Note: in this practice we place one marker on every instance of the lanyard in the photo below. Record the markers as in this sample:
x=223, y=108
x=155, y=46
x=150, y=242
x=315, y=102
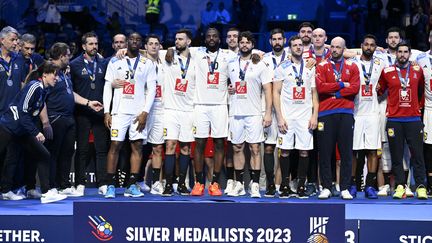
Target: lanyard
x=298, y=76
x=183, y=68
x=320, y=56
x=405, y=80
x=368, y=75
x=275, y=64
x=242, y=73
x=65, y=79
x=133, y=70
x=338, y=73
x=212, y=64
x=92, y=74
x=8, y=68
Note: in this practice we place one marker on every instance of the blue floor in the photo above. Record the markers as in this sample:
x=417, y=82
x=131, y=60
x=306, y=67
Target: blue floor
x=384, y=208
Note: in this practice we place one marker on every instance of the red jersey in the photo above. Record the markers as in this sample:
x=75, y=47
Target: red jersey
x=402, y=103
x=319, y=58
x=334, y=97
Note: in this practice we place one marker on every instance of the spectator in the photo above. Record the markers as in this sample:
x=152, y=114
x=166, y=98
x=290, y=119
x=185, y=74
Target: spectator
x=114, y=25
x=50, y=16
x=373, y=16
x=152, y=12
x=222, y=15
x=208, y=17
x=395, y=10
x=419, y=23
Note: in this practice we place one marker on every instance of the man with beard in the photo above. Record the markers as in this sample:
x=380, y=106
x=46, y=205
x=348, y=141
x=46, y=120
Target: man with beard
x=305, y=33
x=118, y=42
x=405, y=84
x=278, y=55
x=130, y=108
x=424, y=60
x=87, y=74
x=296, y=103
x=246, y=120
x=210, y=111
x=367, y=138
x=337, y=82
x=178, y=92
x=319, y=51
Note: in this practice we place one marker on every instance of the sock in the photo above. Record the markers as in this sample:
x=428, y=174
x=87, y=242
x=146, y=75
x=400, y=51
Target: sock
x=229, y=173
x=239, y=175
x=156, y=174
x=133, y=178
x=169, y=167
x=302, y=170
x=285, y=167
x=386, y=178
x=216, y=176
x=371, y=179
x=256, y=175
x=110, y=178
x=406, y=176
x=199, y=177
x=294, y=164
x=184, y=163
x=269, y=168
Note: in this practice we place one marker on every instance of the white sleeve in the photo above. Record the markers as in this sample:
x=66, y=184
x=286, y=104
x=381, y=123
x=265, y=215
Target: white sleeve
x=151, y=88
x=107, y=93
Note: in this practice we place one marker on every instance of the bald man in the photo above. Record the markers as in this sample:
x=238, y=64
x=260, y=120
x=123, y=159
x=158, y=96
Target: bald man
x=337, y=82
x=319, y=51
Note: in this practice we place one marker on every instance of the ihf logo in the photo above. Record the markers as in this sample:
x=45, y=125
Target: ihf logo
x=317, y=229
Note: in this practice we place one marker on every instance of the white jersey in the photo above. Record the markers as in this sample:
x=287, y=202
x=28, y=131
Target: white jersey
x=366, y=102
x=273, y=60
x=178, y=91
x=138, y=93
x=247, y=98
x=296, y=98
x=211, y=76
x=159, y=99
x=390, y=59
x=424, y=60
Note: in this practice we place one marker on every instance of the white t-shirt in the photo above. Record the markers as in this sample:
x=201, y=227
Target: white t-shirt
x=211, y=87
x=366, y=102
x=138, y=93
x=296, y=99
x=178, y=92
x=425, y=62
x=274, y=60
x=247, y=98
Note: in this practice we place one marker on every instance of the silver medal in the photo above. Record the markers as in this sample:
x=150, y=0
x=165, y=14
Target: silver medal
x=404, y=93
x=132, y=81
x=298, y=89
x=92, y=85
x=9, y=82
x=183, y=81
x=243, y=83
x=211, y=77
x=69, y=91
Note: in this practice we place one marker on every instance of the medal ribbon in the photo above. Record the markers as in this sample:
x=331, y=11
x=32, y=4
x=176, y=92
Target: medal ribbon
x=212, y=64
x=404, y=80
x=133, y=70
x=275, y=64
x=338, y=73
x=242, y=73
x=92, y=74
x=183, y=68
x=298, y=76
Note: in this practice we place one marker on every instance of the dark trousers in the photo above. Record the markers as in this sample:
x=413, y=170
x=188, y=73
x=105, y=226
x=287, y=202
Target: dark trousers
x=13, y=171
x=412, y=133
x=332, y=129
x=312, y=175
x=38, y=153
x=61, y=149
x=101, y=141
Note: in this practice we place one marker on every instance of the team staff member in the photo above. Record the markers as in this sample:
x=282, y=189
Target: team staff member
x=58, y=116
x=32, y=60
x=18, y=123
x=246, y=120
x=425, y=62
x=296, y=103
x=211, y=112
x=367, y=136
x=87, y=74
x=11, y=77
x=178, y=92
x=405, y=84
x=130, y=108
x=337, y=82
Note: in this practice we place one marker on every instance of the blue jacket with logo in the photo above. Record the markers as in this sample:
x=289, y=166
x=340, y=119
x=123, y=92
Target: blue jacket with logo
x=11, y=77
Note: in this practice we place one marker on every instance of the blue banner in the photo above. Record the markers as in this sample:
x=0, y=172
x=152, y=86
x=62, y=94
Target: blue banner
x=26, y=228
x=208, y=222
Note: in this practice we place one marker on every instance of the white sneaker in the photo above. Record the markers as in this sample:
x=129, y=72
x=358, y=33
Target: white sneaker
x=70, y=192
x=52, y=196
x=324, y=194
x=175, y=186
x=143, y=186
x=408, y=191
x=238, y=190
x=293, y=185
x=80, y=190
x=22, y=192
x=12, y=196
x=229, y=186
x=102, y=190
x=33, y=193
x=157, y=188
x=278, y=188
x=383, y=191
x=254, y=192
x=346, y=195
